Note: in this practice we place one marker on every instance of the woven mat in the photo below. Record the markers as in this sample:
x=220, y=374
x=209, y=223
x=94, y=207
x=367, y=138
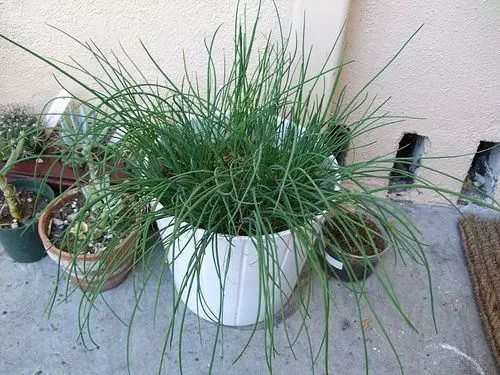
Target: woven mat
x=481, y=242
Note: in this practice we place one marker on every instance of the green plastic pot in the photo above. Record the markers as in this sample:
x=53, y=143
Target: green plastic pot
x=23, y=244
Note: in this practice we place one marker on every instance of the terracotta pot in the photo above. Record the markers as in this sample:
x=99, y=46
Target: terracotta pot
x=53, y=172
x=48, y=170
x=91, y=272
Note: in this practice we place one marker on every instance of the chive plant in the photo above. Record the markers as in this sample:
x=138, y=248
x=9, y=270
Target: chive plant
x=244, y=152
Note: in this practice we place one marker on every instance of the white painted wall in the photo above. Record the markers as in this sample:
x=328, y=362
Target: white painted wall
x=449, y=74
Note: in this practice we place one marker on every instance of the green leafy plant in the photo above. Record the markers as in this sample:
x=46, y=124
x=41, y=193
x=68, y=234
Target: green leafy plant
x=247, y=152
x=20, y=133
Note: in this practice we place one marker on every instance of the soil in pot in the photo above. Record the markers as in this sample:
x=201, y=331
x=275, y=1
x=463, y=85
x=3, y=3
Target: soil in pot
x=20, y=239
x=356, y=246
x=61, y=218
x=28, y=204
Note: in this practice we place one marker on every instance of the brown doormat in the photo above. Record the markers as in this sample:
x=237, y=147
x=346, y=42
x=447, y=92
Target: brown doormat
x=481, y=242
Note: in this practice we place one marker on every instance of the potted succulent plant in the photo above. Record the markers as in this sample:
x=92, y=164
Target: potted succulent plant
x=77, y=228
x=78, y=233
x=239, y=174
x=44, y=165
x=21, y=200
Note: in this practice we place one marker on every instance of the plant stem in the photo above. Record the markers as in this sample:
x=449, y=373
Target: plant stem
x=14, y=155
x=9, y=193
x=8, y=190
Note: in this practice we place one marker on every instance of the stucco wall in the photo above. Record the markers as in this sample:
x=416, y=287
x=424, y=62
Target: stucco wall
x=449, y=74
x=166, y=27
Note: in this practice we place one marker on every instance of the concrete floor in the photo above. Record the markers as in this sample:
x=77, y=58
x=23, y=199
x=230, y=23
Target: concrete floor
x=32, y=344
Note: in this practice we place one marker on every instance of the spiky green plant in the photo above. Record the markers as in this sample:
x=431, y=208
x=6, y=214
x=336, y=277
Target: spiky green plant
x=20, y=133
x=242, y=152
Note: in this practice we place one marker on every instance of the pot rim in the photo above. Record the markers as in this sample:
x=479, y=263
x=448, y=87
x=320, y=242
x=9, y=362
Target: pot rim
x=375, y=256
x=157, y=205
x=360, y=257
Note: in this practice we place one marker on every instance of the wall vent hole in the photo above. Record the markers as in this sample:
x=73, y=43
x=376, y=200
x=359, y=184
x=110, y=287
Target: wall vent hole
x=481, y=180
x=411, y=149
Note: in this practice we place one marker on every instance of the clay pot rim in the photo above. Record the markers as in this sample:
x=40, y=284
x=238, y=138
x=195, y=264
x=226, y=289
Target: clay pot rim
x=45, y=217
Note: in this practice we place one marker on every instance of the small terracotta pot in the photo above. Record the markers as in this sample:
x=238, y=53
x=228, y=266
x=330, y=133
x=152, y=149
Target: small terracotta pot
x=91, y=272
x=46, y=169
x=55, y=173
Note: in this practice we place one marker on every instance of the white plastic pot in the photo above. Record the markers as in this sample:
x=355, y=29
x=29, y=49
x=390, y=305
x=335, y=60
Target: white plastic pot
x=239, y=297
x=234, y=300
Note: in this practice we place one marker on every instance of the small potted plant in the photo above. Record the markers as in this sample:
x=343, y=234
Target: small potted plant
x=352, y=244
x=77, y=228
x=22, y=199
x=44, y=164
x=78, y=233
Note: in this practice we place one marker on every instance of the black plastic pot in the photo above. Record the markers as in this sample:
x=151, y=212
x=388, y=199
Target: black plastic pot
x=358, y=267
x=23, y=244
